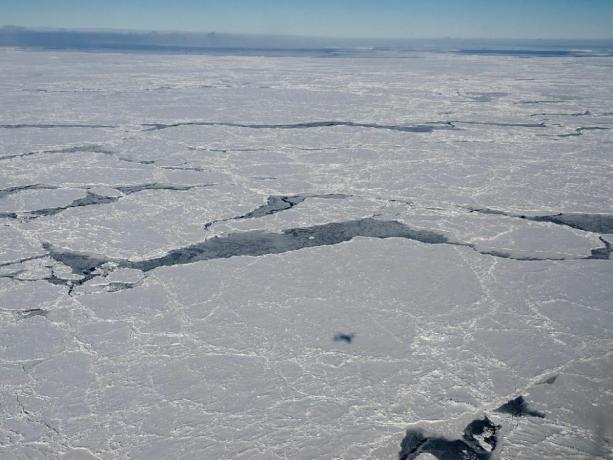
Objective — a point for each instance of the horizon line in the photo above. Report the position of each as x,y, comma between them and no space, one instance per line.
111,30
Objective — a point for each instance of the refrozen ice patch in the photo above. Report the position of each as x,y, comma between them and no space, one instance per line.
518,407
478,441
597,223
484,96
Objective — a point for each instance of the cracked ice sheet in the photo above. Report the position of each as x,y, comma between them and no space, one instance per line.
515,236
142,224
16,244
237,346
71,169
26,140
466,165
31,200
236,358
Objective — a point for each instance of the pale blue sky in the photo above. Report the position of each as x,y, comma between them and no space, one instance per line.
332,18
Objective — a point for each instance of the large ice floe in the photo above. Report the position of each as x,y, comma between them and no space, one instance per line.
207,257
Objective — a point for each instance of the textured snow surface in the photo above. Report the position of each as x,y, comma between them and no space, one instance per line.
211,257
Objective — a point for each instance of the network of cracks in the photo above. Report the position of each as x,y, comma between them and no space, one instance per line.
85,267
482,436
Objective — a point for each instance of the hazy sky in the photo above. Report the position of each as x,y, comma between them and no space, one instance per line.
333,18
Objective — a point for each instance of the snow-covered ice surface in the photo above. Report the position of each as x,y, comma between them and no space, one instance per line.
278,257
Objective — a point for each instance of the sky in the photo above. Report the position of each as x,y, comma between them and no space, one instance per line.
565,19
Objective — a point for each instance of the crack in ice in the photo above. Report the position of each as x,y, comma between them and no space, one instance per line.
595,223
275,204
419,128
53,125
91,198
259,243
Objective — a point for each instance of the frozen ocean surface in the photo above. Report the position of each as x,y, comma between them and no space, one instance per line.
368,257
